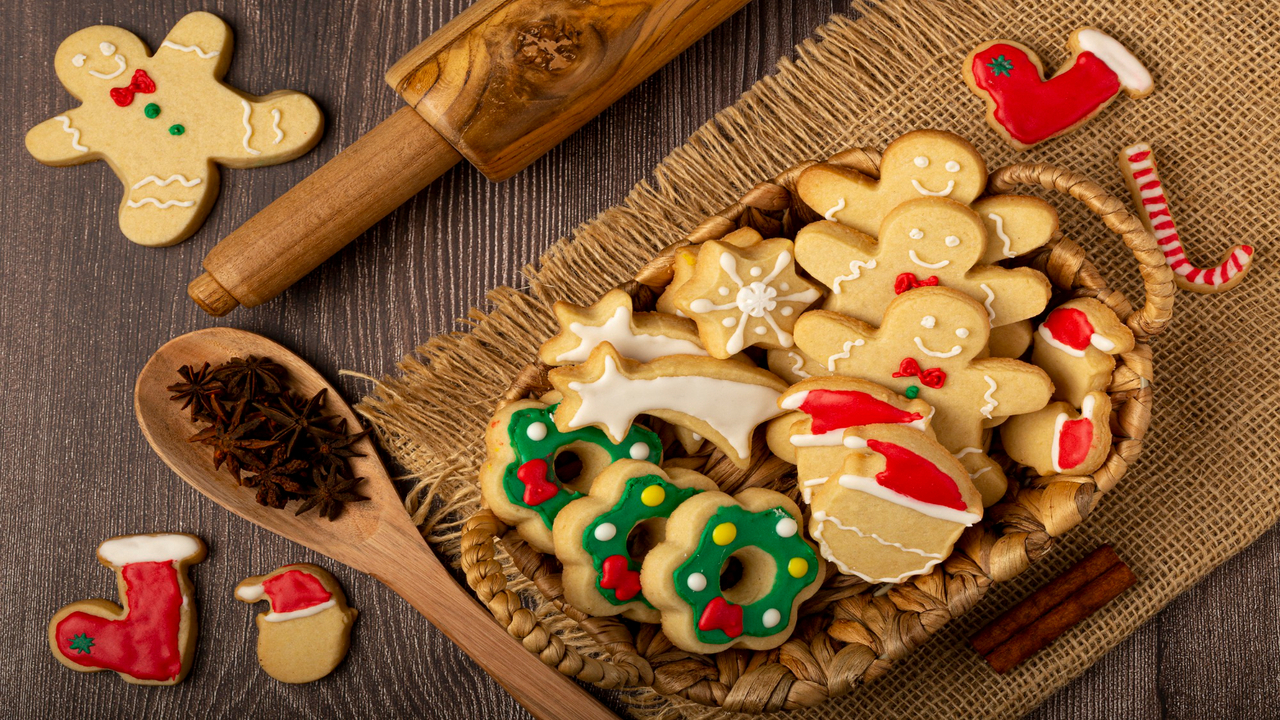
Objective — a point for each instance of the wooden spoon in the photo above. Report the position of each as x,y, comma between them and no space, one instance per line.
375,537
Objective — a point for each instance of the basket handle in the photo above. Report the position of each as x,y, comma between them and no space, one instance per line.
1157,279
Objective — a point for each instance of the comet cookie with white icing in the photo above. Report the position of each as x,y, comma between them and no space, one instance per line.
308,629
165,121
1077,344
639,336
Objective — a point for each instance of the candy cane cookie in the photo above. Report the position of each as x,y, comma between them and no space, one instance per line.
1138,164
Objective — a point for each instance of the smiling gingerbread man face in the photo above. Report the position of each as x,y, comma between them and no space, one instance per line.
94,60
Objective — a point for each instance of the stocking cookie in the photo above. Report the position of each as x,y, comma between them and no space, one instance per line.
1076,345
150,639
1139,168
928,347
1025,109
521,480
895,508
163,122
639,336
308,629
821,409
1058,440
922,243
746,296
594,535
682,575
721,400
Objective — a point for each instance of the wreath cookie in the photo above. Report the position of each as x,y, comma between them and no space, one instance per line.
593,534
780,569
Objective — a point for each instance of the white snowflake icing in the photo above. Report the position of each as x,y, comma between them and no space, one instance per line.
755,299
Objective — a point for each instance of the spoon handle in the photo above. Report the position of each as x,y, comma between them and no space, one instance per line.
399,557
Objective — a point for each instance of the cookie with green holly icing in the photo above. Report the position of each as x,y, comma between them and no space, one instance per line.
533,469
601,538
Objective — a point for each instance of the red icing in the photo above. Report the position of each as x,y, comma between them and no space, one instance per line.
720,614
1032,109
617,575
537,489
295,590
1070,326
141,83
907,473
835,409
1075,440
144,644
908,281
929,377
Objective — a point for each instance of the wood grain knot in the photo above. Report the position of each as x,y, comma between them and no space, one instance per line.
548,45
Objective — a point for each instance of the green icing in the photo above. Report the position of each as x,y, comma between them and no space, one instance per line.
758,529
625,515
82,643
526,448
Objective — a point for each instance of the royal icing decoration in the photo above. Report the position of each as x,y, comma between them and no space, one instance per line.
639,336
1069,330
1076,345
1073,439
307,630
1059,439
1139,168
293,594
141,84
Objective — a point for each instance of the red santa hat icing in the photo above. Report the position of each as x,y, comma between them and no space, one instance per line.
912,481
1073,439
1070,330
292,594
835,410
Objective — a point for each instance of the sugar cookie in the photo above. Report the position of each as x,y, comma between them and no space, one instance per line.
639,336
1012,340
1076,343
793,366
821,408
308,629
1059,440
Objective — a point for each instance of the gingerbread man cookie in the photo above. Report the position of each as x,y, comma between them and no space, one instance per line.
923,243
639,336
1058,440
308,629
929,346
164,121
1077,344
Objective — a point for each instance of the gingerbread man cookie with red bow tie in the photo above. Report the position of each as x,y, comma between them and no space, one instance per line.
924,242
929,346
165,121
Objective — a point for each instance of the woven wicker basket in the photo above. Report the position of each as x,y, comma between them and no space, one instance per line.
850,632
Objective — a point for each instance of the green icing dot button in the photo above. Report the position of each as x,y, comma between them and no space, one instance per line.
176,129
152,110
912,392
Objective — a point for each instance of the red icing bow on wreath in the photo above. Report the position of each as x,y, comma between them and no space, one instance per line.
141,83
908,281
929,377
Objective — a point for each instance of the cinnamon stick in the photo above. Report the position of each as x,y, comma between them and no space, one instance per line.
1045,599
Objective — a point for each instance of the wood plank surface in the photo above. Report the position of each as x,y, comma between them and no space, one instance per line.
81,309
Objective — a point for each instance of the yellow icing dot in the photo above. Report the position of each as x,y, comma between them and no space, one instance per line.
724,533
798,567
653,495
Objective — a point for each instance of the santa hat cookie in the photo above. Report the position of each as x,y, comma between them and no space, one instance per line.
150,638
308,629
1076,345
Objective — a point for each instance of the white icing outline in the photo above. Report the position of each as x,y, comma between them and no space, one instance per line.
304,612
798,368
162,205
951,185
855,271
111,76
939,512
992,403
248,129
275,125
1007,251
190,48
991,312
954,351
75,133
844,354
825,549
830,214
932,266
182,180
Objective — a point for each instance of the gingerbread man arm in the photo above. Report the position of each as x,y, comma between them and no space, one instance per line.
834,254
832,339
1013,387
821,188
1009,295
1016,225
273,129
200,40
58,141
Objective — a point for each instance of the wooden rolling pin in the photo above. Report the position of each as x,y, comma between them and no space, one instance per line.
499,85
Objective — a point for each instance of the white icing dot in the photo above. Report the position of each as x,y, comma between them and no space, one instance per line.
771,617
697,582
915,234
928,321
537,431
106,48
921,161
696,437
639,451
760,330
786,527
952,241
605,532
952,166
78,60
784,286
962,332
757,272
786,311
729,322
723,291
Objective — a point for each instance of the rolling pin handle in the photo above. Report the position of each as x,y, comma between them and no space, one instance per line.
211,297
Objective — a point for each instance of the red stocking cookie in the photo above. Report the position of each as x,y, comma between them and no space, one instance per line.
1058,440
150,638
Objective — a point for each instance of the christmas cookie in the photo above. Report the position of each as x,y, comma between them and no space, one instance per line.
985,474
686,259
639,336
689,576
533,468
721,400
150,638
308,629
1016,225
741,297
929,346
793,366
628,505
894,508
1076,345
1139,168
1012,340
1025,109
1058,440
163,122
821,409
922,242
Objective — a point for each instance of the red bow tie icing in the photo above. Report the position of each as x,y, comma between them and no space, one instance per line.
721,614
537,489
1069,330
908,281
929,377
616,575
141,83
1030,109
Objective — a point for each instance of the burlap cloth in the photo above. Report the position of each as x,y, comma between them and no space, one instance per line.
1208,482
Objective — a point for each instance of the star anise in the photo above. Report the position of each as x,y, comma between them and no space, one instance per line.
227,438
306,422
275,479
336,450
246,377
197,391
330,492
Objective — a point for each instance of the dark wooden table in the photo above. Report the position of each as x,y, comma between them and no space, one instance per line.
81,309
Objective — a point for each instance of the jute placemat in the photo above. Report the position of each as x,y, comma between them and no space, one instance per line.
1208,482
